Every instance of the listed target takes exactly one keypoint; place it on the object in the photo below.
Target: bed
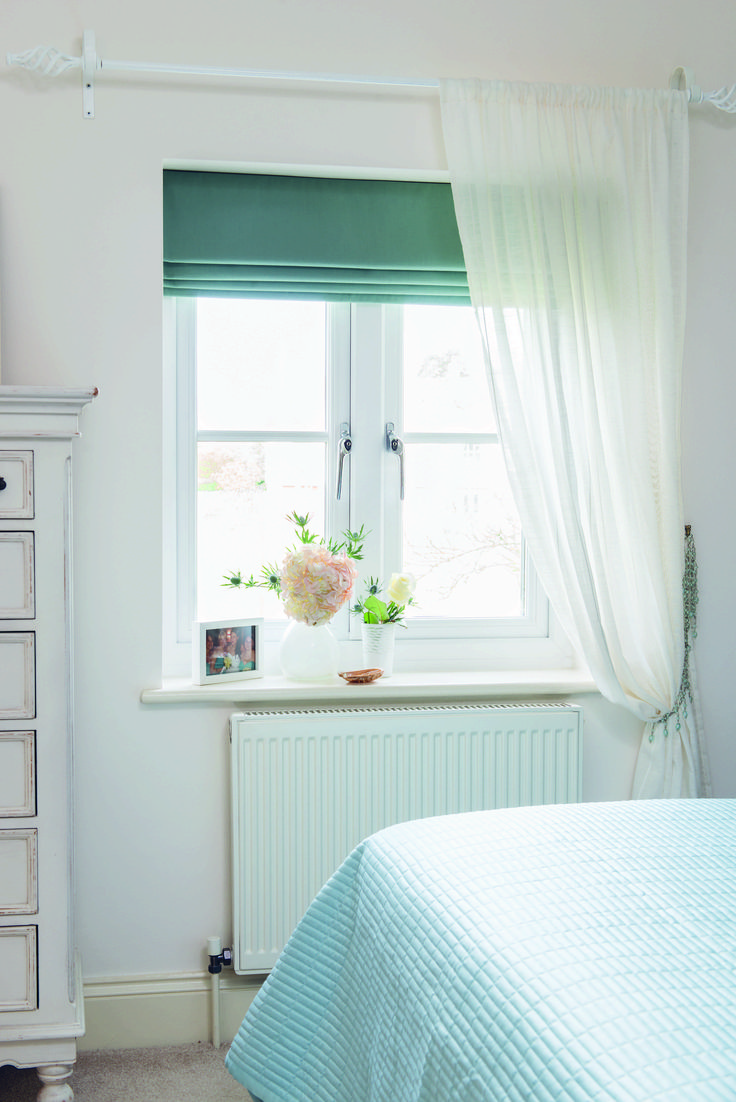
(565, 953)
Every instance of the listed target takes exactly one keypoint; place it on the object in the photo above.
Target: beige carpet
(187, 1073)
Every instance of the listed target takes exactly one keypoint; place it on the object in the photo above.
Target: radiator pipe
(218, 956)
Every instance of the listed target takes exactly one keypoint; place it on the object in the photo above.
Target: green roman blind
(257, 236)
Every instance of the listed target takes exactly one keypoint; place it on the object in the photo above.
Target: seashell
(360, 677)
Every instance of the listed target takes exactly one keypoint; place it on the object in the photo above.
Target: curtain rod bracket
(724, 99)
(683, 80)
(89, 68)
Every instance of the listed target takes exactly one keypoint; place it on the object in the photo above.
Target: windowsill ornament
(314, 581)
(381, 617)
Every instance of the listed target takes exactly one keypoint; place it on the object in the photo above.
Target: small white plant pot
(378, 647)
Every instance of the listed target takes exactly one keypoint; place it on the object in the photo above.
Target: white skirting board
(155, 1010)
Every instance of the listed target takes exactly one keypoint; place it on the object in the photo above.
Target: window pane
(445, 384)
(260, 365)
(462, 538)
(244, 494)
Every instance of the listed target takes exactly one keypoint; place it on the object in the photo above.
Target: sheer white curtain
(572, 209)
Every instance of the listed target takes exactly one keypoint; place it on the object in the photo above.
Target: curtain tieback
(678, 711)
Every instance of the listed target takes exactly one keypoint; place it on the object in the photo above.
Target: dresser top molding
(46, 410)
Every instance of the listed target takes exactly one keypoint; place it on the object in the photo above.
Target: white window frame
(380, 342)
(367, 337)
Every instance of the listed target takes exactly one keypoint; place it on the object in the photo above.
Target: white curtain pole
(50, 62)
(259, 74)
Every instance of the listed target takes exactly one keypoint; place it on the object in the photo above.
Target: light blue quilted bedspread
(568, 953)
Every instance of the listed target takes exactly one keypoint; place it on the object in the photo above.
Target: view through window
(276, 381)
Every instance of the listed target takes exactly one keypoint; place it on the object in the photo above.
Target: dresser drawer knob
(3, 483)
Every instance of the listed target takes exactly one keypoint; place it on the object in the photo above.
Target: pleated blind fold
(258, 236)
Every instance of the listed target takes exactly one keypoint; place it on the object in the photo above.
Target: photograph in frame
(226, 651)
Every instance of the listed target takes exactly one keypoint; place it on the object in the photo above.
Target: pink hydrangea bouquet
(316, 577)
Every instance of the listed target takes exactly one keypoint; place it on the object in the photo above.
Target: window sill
(403, 687)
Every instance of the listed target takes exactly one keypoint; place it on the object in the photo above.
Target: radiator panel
(308, 786)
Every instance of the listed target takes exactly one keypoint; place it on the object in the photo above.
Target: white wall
(80, 271)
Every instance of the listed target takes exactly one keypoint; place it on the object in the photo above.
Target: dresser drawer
(17, 674)
(18, 968)
(18, 872)
(17, 597)
(16, 485)
(17, 773)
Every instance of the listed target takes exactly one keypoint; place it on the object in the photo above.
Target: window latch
(396, 445)
(344, 448)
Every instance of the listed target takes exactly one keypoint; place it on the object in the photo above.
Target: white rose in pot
(399, 594)
(401, 588)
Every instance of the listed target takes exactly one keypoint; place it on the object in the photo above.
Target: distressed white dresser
(41, 1012)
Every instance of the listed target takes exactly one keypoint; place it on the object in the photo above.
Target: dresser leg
(55, 1088)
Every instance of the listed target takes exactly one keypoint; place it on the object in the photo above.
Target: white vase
(378, 647)
(308, 653)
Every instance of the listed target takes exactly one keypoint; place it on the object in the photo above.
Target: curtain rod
(50, 62)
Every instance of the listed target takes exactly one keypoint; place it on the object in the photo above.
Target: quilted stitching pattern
(559, 954)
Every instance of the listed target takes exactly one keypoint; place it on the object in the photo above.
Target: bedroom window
(278, 384)
(264, 390)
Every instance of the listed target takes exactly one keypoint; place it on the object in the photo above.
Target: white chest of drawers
(41, 1012)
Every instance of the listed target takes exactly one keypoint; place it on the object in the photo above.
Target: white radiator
(308, 786)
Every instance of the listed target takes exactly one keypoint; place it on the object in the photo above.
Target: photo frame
(224, 651)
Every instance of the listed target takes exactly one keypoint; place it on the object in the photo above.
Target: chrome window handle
(344, 448)
(396, 445)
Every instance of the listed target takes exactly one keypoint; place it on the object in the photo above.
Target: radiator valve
(218, 956)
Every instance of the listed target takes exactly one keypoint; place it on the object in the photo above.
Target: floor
(186, 1073)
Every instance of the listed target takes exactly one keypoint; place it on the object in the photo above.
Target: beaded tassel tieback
(690, 604)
